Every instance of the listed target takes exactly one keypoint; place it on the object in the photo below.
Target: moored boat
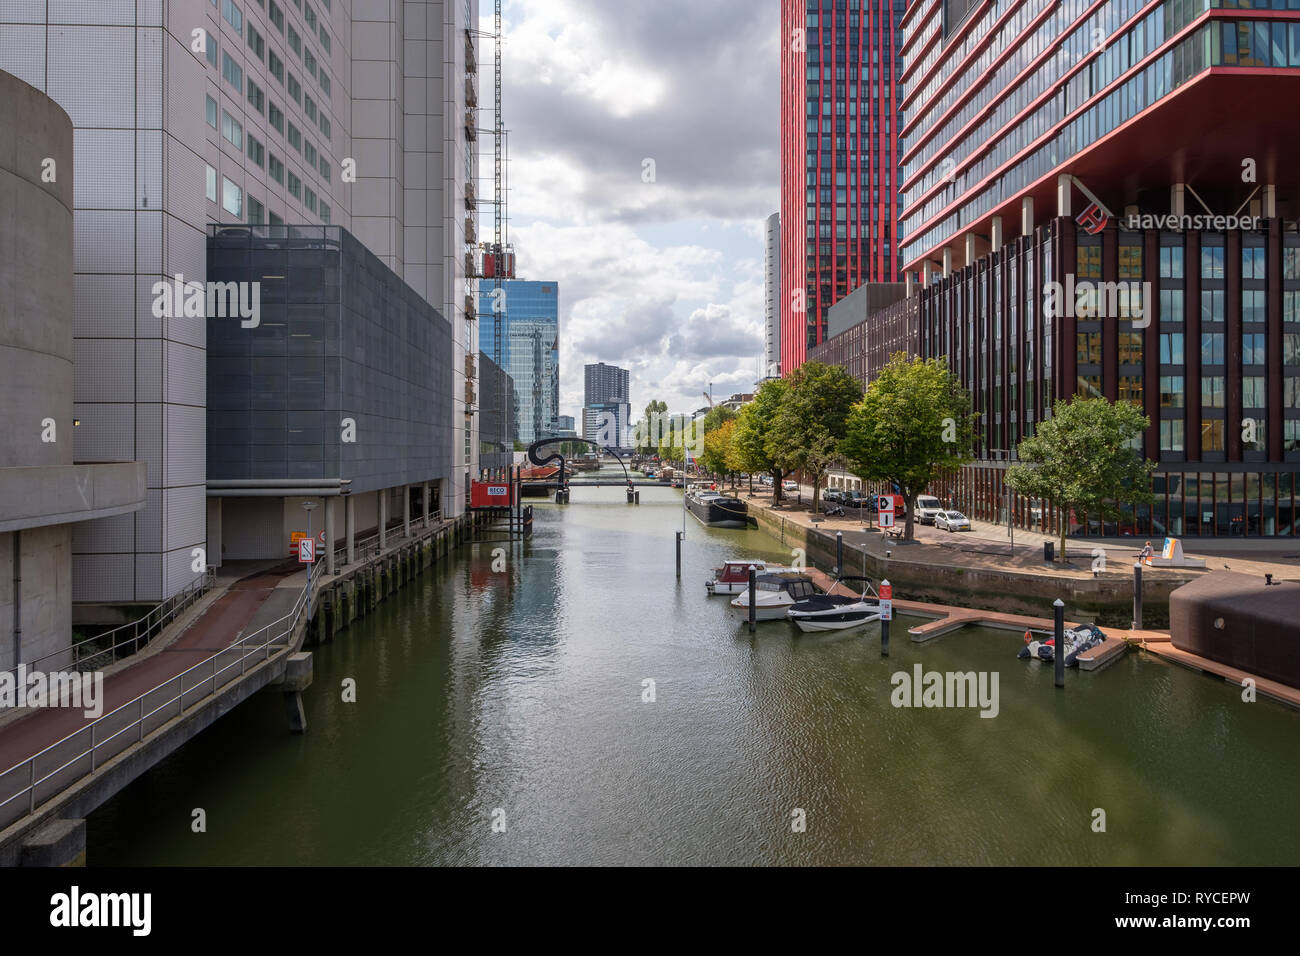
(1077, 640)
(718, 511)
(774, 595)
(733, 576)
(837, 612)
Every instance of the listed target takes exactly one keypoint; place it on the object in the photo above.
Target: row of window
(232, 197)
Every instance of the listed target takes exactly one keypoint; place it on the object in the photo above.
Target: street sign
(886, 592)
(886, 610)
(320, 538)
(306, 550)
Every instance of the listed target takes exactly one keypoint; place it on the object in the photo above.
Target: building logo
(1095, 215)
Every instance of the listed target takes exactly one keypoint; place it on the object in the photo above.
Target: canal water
(502, 716)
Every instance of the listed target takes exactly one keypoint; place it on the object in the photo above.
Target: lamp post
(309, 506)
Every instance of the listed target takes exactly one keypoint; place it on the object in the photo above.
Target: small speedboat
(733, 576)
(774, 595)
(1077, 640)
(837, 612)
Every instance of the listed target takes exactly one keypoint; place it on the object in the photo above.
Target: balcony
(471, 195)
(471, 59)
(470, 396)
(471, 92)
(471, 269)
(471, 231)
(471, 312)
(471, 125)
(469, 366)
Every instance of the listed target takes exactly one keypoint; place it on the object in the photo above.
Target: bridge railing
(26, 785)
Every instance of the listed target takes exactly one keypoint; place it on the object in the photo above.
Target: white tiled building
(190, 112)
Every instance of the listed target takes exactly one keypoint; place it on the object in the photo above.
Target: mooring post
(1058, 654)
(753, 597)
(678, 535)
(839, 551)
(1137, 596)
(887, 594)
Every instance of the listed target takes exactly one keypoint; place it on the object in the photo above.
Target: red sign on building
(490, 494)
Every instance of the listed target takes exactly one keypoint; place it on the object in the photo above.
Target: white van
(926, 508)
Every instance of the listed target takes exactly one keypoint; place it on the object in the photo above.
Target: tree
(913, 426)
(717, 448)
(813, 418)
(1082, 459)
(753, 428)
(647, 432)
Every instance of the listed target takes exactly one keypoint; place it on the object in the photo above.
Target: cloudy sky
(665, 277)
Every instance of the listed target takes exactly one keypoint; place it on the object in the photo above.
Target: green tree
(1081, 459)
(715, 457)
(813, 420)
(754, 427)
(913, 426)
(647, 432)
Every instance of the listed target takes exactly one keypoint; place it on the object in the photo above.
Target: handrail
(139, 702)
(174, 605)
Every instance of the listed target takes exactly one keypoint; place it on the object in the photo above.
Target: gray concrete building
(49, 492)
(187, 113)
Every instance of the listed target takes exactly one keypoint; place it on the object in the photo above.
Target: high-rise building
(262, 113)
(1099, 204)
(772, 297)
(529, 316)
(840, 157)
(604, 383)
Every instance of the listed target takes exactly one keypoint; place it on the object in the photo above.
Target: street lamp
(309, 506)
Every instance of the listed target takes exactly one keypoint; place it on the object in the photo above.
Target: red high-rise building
(839, 159)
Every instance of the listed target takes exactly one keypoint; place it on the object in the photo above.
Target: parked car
(951, 521)
(789, 485)
(833, 496)
(855, 499)
(927, 506)
(765, 480)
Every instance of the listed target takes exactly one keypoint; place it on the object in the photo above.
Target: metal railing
(61, 764)
(95, 653)
(370, 543)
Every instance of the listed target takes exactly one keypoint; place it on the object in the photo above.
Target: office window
(276, 66)
(1171, 434)
(1291, 348)
(294, 88)
(1291, 391)
(1089, 348)
(232, 131)
(309, 15)
(1211, 348)
(275, 168)
(211, 113)
(233, 72)
(295, 186)
(295, 43)
(1089, 386)
(1171, 262)
(309, 199)
(295, 138)
(324, 168)
(1212, 305)
(1088, 262)
(1254, 305)
(257, 45)
(1171, 348)
(273, 220)
(276, 118)
(211, 187)
(1130, 348)
(324, 212)
(232, 198)
(1212, 262)
(324, 39)
(1252, 262)
(1252, 348)
(325, 125)
(325, 84)
(233, 15)
(256, 151)
(309, 62)
(1254, 391)
(275, 15)
(256, 211)
(1291, 434)
(1212, 391)
(256, 98)
(210, 47)
(1212, 434)
(1130, 389)
(309, 152)
(1171, 305)
(1171, 391)
(309, 107)
(1291, 262)
(1130, 261)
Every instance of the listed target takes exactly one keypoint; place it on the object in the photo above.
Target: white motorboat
(774, 595)
(837, 612)
(733, 576)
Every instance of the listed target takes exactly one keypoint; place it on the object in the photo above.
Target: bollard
(1058, 654)
(886, 594)
(678, 535)
(839, 551)
(753, 597)
(1137, 596)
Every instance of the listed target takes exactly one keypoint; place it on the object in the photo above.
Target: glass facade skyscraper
(840, 157)
(529, 317)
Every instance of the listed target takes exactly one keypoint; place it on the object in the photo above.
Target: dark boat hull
(720, 513)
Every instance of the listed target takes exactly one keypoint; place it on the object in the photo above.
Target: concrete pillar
(350, 527)
(329, 536)
(927, 268)
(1269, 199)
(947, 261)
(907, 278)
(424, 503)
(1064, 186)
(1027, 216)
(970, 248)
(406, 510)
(995, 233)
(383, 518)
(1178, 199)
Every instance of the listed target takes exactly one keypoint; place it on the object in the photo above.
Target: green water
(522, 691)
